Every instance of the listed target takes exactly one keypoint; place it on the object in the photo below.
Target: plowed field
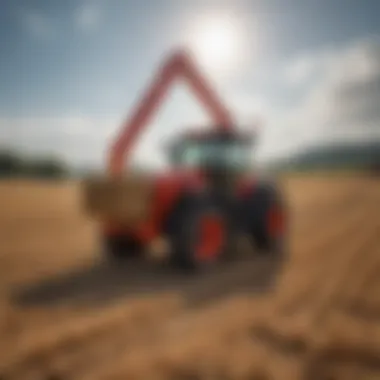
(65, 315)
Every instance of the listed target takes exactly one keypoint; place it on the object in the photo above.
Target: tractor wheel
(119, 248)
(265, 220)
(198, 234)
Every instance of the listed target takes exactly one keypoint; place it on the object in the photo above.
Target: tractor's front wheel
(198, 234)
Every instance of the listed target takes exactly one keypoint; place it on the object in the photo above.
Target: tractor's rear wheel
(265, 221)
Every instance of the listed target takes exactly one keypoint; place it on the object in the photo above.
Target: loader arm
(179, 65)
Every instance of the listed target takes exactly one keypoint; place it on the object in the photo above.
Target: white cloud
(88, 15)
(37, 24)
(308, 65)
(300, 71)
(341, 104)
(347, 95)
(77, 139)
(248, 108)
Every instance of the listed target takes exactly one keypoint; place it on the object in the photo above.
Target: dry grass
(322, 321)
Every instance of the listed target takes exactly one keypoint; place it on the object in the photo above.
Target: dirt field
(65, 315)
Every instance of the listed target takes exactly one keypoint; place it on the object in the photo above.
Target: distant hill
(338, 156)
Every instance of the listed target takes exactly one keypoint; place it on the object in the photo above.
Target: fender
(168, 189)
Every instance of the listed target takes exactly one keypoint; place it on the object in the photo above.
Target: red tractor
(207, 200)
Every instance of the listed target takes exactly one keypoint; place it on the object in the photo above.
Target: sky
(299, 72)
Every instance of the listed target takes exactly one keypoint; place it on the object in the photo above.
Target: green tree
(13, 165)
(10, 164)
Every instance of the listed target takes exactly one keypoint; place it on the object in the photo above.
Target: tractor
(196, 211)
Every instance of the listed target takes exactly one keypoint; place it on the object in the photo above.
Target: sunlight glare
(216, 40)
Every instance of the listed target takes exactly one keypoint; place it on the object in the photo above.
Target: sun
(217, 41)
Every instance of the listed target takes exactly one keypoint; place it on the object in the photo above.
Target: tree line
(15, 165)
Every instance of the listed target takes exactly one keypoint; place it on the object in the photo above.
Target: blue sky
(71, 70)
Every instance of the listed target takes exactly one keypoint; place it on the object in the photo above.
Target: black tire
(183, 231)
(118, 249)
(256, 208)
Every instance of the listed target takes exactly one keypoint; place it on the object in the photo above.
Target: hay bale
(125, 199)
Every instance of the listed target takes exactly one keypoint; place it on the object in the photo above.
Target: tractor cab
(214, 148)
(218, 154)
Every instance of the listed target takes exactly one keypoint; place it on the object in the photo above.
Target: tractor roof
(217, 133)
